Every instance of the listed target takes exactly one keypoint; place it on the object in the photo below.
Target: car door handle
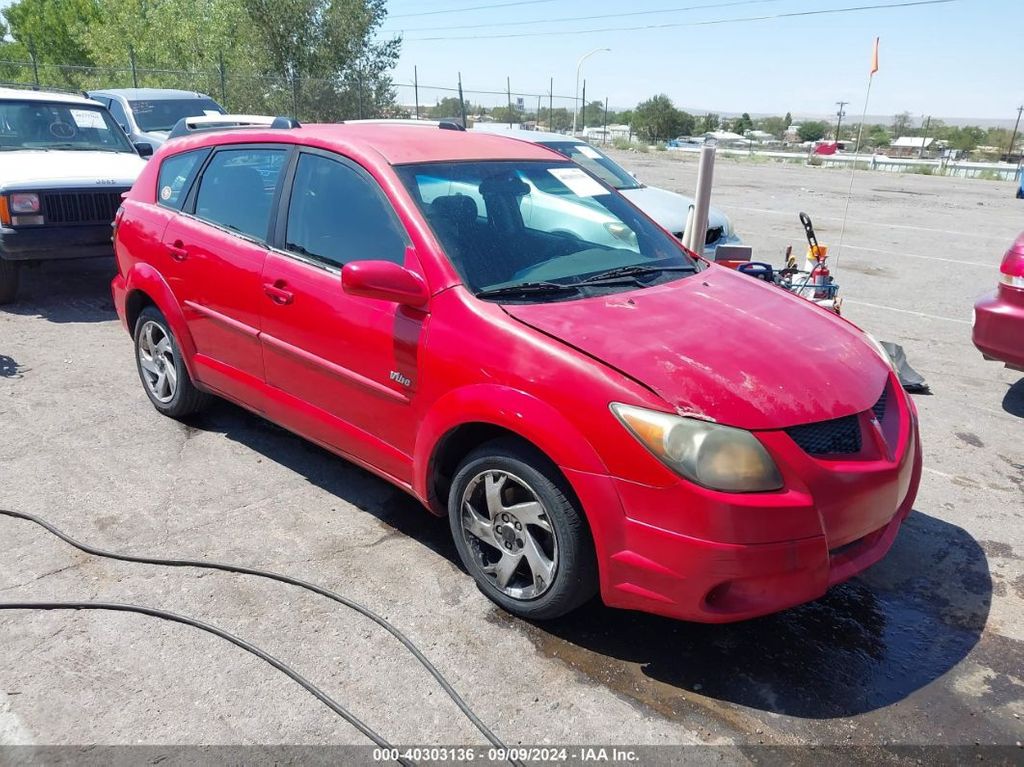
(177, 251)
(277, 292)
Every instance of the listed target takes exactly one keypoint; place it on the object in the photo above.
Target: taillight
(1012, 268)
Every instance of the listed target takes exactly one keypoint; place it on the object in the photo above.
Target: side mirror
(385, 281)
(144, 149)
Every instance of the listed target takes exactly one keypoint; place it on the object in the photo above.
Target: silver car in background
(148, 114)
(667, 208)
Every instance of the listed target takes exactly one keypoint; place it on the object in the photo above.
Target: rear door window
(176, 175)
(237, 189)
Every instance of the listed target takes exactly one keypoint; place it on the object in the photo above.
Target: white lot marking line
(965, 481)
(787, 214)
(905, 311)
(898, 254)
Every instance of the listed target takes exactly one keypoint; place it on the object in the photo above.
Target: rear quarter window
(176, 175)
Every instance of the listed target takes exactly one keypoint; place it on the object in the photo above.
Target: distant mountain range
(918, 120)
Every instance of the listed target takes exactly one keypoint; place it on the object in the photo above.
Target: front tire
(10, 275)
(520, 532)
(162, 370)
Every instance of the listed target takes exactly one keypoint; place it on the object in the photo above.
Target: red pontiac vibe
(482, 323)
(999, 316)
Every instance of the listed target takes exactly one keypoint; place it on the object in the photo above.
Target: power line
(581, 18)
(471, 8)
(714, 22)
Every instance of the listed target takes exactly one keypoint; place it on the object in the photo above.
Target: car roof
(150, 94)
(19, 94)
(396, 144)
(533, 136)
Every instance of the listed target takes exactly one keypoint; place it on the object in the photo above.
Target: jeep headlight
(717, 457)
(24, 202)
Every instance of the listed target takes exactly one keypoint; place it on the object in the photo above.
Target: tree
(813, 130)
(449, 106)
(742, 124)
(901, 124)
(775, 125)
(789, 120)
(54, 31)
(708, 123)
(657, 118)
(558, 119)
(878, 135)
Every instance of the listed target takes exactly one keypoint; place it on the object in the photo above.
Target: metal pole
(508, 90)
(223, 80)
(416, 90)
(295, 95)
(605, 135)
(1013, 138)
(551, 104)
(840, 113)
(462, 103)
(35, 64)
(576, 95)
(135, 74)
(697, 233)
(924, 138)
(583, 108)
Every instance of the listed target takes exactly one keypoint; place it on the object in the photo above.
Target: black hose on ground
(243, 570)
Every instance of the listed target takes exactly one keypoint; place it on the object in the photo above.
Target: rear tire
(1020, 194)
(520, 531)
(162, 370)
(10, 275)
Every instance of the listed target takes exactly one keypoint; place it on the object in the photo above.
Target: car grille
(80, 207)
(714, 235)
(840, 436)
(879, 407)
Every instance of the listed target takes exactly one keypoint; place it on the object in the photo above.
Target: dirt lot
(927, 647)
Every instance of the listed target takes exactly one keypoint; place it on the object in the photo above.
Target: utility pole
(576, 95)
(508, 89)
(462, 104)
(551, 105)
(583, 108)
(840, 114)
(1013, 138)
(416, 90)
(924, 138)
(605, 134)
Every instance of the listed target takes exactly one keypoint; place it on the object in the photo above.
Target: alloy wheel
(509, 533)
(156, 359)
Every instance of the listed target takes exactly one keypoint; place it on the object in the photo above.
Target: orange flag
(874, 58)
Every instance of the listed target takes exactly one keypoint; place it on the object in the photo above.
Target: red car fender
(143, 278)
(528, 417)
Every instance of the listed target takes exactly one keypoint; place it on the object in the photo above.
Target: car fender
(145, 279)
(520, 413)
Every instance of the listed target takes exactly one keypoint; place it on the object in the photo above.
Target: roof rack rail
(446, 123)
(202, 123)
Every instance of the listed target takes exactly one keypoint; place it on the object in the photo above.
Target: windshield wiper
(632, 272)
(526, 289)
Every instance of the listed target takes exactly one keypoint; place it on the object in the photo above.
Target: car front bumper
(692, 554)
(43, 243)
(999, 326)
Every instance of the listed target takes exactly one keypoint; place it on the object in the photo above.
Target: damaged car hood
(725, 347)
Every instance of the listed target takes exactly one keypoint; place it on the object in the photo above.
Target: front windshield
(543, 226)
(56, 125)
(595, 162)
(163, 114)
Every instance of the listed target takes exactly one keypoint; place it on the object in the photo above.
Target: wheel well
(133, 306)
(456, 445)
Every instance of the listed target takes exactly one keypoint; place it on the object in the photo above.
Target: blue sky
(962, 59)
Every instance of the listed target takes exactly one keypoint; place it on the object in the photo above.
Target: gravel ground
(927, 647)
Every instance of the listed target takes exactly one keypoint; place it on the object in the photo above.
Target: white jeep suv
(64, 164)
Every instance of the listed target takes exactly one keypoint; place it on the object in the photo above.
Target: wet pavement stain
(880, 653)
(970, 438)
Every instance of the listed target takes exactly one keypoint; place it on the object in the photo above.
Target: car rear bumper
(672, 552)
(999, 326)
(56, 242)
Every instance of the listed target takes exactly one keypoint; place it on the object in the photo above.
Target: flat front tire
(162, 370)
(520, 533)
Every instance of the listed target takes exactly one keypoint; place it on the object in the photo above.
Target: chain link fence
(347, 97)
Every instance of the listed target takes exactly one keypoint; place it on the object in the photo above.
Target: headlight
(715, 456)
(24, 202)
(880, 350)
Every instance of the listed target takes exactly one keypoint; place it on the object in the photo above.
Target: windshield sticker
(87, 118)
(62, 130)
(579, 183)
(166, 192)
(588, 151)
